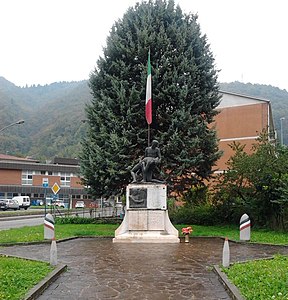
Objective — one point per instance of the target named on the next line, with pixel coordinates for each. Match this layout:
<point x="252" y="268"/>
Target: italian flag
<point x="148" y="103"/>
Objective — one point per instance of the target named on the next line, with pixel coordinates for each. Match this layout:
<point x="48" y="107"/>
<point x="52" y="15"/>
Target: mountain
<point x="53" y="115"/>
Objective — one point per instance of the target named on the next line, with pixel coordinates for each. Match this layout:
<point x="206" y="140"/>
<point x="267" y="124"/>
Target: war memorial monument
<point x="146" y="217"/>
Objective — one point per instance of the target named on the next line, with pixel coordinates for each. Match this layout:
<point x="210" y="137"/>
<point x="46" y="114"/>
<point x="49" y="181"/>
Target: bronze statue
<point x="148" y="163"/>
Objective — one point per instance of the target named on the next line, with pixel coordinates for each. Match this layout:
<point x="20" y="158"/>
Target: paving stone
<point x="99" y="269"/>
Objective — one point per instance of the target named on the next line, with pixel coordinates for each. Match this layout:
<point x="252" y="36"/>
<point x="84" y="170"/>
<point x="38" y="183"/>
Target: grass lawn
<point x="261" y="279"/>
<point x="36" y="233"/>
<point x="18" y="276"/>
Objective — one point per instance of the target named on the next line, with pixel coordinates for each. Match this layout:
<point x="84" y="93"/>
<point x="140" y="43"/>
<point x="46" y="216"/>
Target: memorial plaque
<point x="156" y="197"/>
<point x="138" y="198"/>
<point x="137" y="220"/>
<point x="156" y="220"/>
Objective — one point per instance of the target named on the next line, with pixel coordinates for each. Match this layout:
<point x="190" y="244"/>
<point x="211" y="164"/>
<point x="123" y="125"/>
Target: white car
<point x="59" y="203"/>
<point x="80" y="204"/>
<point x="9" y="204"/>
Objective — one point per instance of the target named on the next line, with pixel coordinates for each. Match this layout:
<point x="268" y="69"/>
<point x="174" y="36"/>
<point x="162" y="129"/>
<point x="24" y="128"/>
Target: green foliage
<point x="269" y="276"/>
<point x="79" y="220"/>
<point x="52" y="115"/>
<point x="204" y="214"/>
<point x="185" y="97"/>
<point x="255" y="184"/>
<point x="18" y="276"/>
<point x="62" y="105"/>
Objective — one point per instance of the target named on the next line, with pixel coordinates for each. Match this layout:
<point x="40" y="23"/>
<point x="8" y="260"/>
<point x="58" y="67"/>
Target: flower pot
<point x="186" y="238"/>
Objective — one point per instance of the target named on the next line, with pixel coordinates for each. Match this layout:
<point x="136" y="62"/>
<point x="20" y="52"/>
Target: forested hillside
<point x="53" y="115"/>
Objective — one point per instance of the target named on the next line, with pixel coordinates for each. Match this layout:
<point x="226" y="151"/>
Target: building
<point x="22" y="176"/>
<point x="241" y="119"/>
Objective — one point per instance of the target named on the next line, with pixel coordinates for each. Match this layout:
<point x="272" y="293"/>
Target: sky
<point x="46" y="41"/>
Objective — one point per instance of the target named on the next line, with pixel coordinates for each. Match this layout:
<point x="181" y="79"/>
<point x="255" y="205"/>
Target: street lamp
<point x="15" y="123"/>
<point x="281" y="129"/>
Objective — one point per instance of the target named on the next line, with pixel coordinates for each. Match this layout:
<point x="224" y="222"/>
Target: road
<point x="15" y="222"/>
<point x="33" y="220"/>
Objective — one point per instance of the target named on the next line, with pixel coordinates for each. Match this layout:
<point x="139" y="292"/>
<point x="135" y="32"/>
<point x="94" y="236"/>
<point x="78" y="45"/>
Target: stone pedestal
<point x="146" y="218"/>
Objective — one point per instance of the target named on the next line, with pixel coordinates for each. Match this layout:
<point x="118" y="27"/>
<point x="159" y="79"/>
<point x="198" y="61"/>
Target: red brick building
<point x="241" y="119"/>
<point x="21" y="176"/>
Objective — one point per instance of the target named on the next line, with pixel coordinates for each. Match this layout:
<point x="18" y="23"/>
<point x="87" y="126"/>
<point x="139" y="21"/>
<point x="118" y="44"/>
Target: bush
<point x="198" y="215"/>
<point x="80" y="220"/>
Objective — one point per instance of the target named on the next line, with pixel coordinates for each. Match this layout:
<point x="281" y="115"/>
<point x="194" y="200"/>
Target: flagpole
<point x="148" y="135"/>
<point x="148" y="101"/>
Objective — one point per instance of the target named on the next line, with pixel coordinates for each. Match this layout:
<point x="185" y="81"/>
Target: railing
<point x="104" y="212"/>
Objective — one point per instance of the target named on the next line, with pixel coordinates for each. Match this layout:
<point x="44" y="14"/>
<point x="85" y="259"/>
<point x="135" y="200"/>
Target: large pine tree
<point x="184" y="97"/>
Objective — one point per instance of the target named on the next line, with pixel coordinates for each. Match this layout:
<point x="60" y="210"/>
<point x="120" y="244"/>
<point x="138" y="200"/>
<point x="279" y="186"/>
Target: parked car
<point x="80" y="204"/>
<point x="24" y="201"/>
<point x="59" y="203"/>
<point x="93" y="204"/>
<point x="3" y="204"/>
<point x="9" y="204"/>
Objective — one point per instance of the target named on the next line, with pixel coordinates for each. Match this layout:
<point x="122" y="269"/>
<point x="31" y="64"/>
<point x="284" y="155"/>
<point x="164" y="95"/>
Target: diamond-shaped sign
<point x="55" y="188"/>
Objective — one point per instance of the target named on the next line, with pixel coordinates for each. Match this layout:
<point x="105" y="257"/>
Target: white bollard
<point x="49" y="233"/>
<point x="53" y="253"/>
<point x="226" y="254"/>
<point x="245" y="228"/>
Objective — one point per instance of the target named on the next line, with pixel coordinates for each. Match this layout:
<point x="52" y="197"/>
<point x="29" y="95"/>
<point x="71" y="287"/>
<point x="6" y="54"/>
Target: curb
<point x="49" y="241"/>
<point x="229" y="286"/>
<point x="39" y="288"/>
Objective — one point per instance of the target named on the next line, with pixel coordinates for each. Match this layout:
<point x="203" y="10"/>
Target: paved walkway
<point x="99" y="269"/>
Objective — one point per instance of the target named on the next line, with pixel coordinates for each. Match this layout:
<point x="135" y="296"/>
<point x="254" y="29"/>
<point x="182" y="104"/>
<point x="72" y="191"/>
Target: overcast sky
<point x="45" y="41"/>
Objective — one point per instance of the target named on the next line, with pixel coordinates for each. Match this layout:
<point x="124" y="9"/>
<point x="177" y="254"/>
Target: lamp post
<point x="12" y="124"/>
<point x="281" y="129"/>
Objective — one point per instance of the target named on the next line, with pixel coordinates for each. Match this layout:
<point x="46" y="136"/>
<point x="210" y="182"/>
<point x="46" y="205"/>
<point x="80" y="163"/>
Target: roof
<point x="19" y="163"/>
<point x="65" y="161"/>
<point x="229" y="99"/>
<point x="5" y="157"/>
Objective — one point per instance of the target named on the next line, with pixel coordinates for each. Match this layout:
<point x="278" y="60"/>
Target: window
<point x="65" y="179"/>
<point x="27" y="177"/>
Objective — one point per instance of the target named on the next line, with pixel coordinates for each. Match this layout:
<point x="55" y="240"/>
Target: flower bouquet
<point x="186" y="231"/>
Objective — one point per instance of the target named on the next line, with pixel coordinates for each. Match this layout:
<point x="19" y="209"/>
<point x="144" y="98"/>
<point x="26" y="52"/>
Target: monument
<point x="146" y="217"/>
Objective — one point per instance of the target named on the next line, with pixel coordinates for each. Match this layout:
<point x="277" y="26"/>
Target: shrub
<point x="80" y="220"/>
<point x="200" y="215"/>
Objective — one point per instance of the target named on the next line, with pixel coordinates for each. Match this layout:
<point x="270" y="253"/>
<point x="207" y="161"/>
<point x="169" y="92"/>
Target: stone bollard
<point x="245" y="228"/>
<point x="226" y="254"/>
<point x="49" y="232"/>
<point x="53" y="253"/>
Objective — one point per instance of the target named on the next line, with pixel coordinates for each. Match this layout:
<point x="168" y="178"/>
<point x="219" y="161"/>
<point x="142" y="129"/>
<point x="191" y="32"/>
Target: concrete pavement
<point x="100" y="269"/>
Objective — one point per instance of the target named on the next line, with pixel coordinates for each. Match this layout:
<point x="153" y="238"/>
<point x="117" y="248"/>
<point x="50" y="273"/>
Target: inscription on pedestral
<point x="138" y="198"/>
<point x="156" y="220"/>
<point x="156" y="197"/>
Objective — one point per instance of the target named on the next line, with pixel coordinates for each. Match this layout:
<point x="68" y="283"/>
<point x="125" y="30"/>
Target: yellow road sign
<point x="55" y="188"/>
